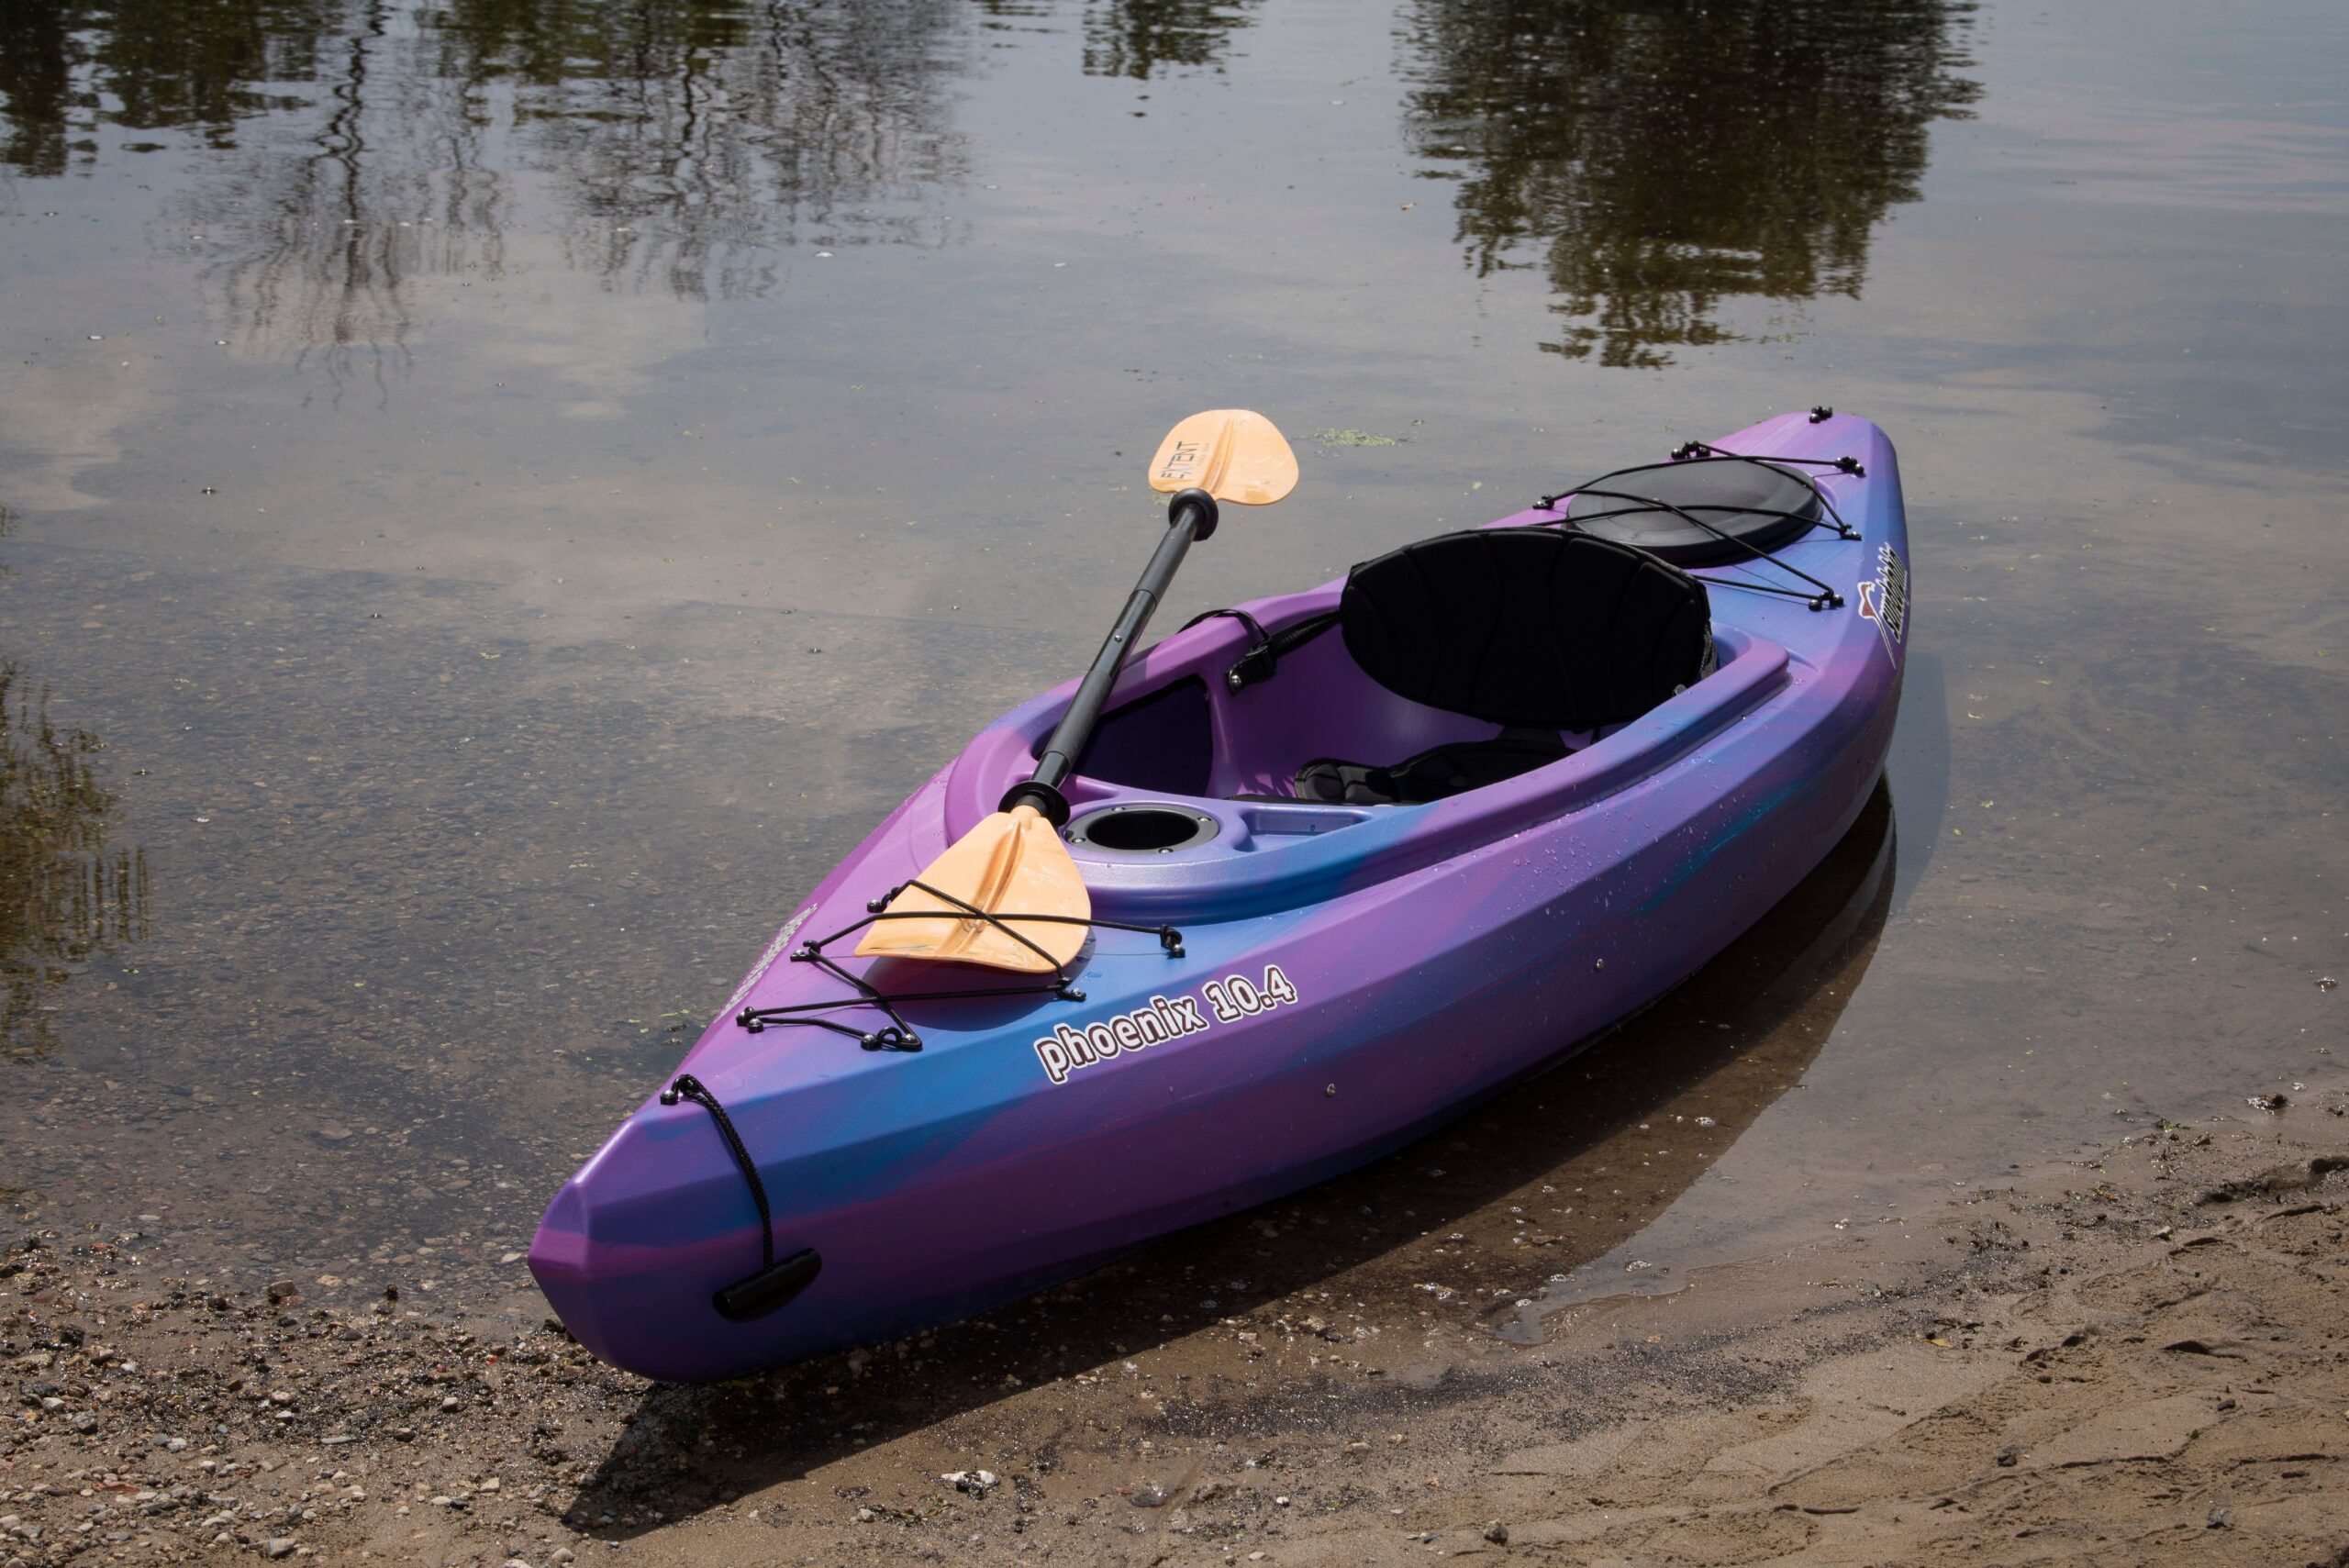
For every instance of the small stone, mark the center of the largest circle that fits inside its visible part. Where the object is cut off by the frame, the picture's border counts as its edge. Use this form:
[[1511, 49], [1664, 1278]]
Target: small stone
[[177, 1445], [283, 1290], [1497, 1533], [451, 1403], [279, 1546]]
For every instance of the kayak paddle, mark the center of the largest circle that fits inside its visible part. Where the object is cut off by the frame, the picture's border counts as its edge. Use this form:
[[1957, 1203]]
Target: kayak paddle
[[1007, 894]]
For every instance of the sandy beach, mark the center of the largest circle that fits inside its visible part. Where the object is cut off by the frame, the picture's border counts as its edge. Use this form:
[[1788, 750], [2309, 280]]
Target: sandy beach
[[2140, 1358]]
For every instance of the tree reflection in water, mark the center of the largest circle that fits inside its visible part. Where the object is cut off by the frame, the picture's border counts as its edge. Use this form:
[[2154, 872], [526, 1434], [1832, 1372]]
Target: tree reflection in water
[[1657, 158], [63, 896], [1141, 38], [672, 143]]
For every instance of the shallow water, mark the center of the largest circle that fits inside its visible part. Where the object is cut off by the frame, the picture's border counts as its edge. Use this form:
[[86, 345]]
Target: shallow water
[[501, 497]]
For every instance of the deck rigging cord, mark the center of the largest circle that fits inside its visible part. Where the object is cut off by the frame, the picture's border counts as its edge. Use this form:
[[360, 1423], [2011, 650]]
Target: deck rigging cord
[[899, 1034], [1820, 596]]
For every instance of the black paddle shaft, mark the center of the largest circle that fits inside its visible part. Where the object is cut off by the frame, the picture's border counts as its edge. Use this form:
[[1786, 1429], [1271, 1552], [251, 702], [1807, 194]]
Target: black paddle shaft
[[1191, 515]]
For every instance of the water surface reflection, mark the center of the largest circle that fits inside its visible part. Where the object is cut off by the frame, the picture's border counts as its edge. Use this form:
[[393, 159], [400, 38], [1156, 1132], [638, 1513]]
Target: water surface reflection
[[65, 894], [357, 147], [1140, 39], [1659, 159]]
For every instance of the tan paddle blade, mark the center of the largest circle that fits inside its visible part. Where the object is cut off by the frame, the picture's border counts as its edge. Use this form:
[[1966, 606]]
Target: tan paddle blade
[[1233, 454], [1011, 864]]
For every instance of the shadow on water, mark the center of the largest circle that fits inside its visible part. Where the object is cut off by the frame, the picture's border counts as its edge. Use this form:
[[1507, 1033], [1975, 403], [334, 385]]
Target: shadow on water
[[1433, 1231], [65, 897], [1658, 158]]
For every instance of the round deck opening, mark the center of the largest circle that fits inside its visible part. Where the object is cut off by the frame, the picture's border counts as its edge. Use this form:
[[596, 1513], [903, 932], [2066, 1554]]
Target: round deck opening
[[1145, 830]]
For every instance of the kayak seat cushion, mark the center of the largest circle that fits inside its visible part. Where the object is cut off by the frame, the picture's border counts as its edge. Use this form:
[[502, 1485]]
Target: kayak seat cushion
[[1528, 628]]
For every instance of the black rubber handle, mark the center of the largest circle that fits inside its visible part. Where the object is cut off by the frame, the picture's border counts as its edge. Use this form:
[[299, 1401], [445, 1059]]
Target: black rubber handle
[[770, 1288]]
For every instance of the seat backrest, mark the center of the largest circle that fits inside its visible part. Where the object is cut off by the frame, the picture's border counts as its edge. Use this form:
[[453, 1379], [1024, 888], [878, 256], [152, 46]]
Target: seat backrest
[[1533, 627]]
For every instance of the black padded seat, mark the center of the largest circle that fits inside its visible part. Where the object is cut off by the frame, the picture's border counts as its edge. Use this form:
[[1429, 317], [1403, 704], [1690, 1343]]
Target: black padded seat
[[1534, 629], [1530, 628]]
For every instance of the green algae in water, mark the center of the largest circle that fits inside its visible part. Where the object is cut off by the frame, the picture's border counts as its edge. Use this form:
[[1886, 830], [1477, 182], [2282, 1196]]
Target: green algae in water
[[1355, 438]]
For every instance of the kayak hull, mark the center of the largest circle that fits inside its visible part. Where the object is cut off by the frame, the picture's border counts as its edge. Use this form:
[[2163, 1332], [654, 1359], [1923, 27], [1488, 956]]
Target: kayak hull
[[1344, 981]]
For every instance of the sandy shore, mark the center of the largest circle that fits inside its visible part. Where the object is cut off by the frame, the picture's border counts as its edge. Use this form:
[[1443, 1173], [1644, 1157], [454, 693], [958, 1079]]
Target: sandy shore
[[2142, 1359]]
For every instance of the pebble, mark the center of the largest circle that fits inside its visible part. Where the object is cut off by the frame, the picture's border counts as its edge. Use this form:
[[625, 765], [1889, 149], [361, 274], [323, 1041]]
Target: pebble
[[279, 1546]]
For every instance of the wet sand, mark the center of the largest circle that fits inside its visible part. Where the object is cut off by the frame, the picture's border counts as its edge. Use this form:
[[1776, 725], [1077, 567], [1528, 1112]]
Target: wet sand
[[2136, 1358]]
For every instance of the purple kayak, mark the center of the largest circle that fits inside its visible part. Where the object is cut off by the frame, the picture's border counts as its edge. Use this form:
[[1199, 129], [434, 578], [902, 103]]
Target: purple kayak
[[1357, 858]]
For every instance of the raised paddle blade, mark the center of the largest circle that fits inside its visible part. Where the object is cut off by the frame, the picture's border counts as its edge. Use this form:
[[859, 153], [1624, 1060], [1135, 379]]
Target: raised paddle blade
[[1010, 865], [1233, 454]]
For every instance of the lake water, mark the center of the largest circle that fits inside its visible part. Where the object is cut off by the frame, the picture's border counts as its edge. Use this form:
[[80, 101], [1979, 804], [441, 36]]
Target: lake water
[[499, 497]]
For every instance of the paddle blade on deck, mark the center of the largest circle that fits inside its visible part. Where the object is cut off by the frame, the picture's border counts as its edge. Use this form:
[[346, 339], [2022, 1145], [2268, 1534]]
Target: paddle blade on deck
[[1012, 865], [1233, 454]]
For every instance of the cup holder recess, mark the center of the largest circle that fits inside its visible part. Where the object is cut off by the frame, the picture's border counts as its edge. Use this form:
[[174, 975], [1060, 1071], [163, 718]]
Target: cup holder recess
[[1148, 828]]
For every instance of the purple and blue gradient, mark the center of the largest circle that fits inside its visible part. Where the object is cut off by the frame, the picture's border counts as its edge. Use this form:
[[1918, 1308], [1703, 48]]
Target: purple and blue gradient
[[1438, 951]]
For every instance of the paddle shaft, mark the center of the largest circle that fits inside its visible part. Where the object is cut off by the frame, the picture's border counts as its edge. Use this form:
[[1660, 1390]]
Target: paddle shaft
[[1189, 514]]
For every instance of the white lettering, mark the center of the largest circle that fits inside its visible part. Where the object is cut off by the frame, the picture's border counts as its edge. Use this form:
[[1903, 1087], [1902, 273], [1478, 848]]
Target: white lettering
[[1232, 998]]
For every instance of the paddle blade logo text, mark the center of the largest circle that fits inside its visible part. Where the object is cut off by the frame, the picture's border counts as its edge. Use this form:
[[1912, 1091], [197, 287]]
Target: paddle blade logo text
[[1182, 464], [1231, 998]]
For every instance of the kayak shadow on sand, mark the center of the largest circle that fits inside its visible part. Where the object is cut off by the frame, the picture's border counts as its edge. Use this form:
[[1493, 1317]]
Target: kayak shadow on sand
[[1706, 1060]]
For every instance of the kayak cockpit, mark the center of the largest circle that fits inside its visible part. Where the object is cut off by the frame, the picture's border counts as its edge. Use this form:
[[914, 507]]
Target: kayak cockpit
[[1195, 798], [1451, 665]]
